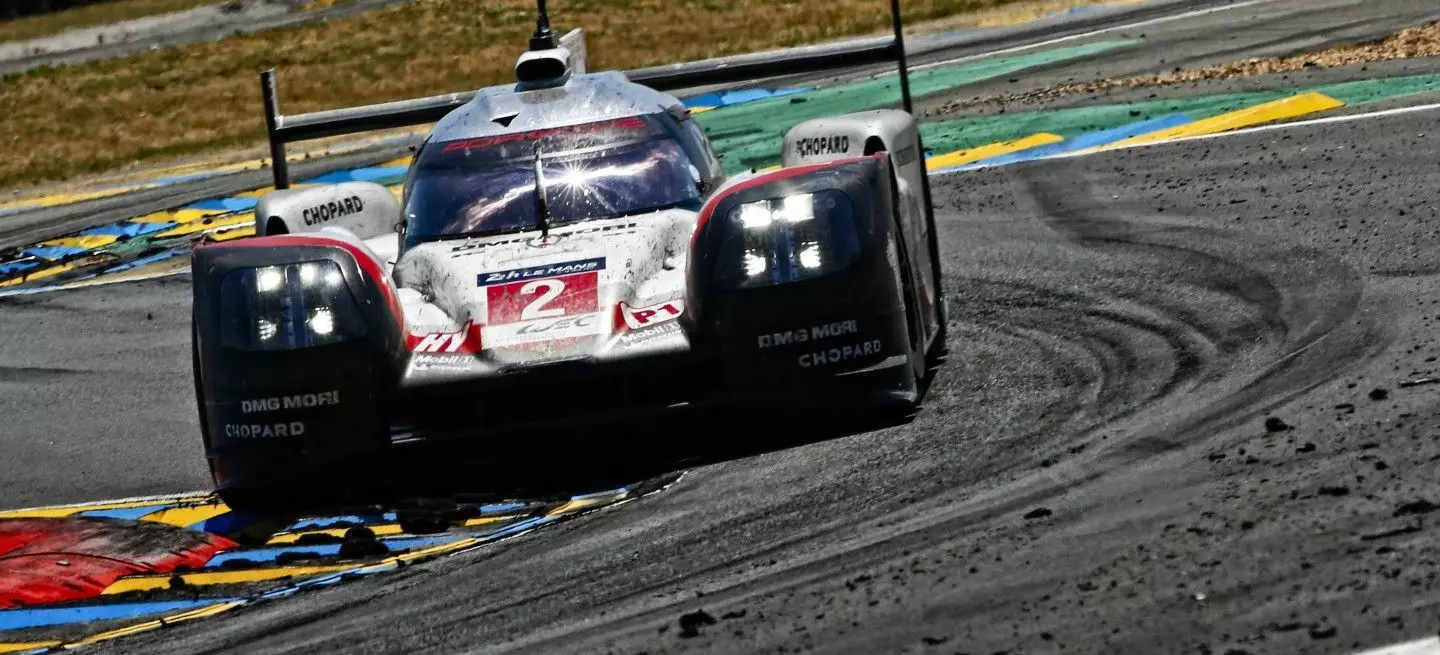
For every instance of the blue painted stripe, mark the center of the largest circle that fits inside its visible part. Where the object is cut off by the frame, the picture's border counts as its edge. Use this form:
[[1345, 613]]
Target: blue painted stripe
[[151, 259], [367, 174], [24, 619], [128, 513], [373, 173], [225, 204], [124, 229], [501, 508], [10, 268], [707, 100], [740, 97], [601, 494], [324, 550], [229, 522], [323, 523], [1087, 140], [54, 253], [518, 527]]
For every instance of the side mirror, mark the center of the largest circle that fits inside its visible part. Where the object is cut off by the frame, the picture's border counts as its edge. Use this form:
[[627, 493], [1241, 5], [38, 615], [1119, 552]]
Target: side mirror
[[366, 209]]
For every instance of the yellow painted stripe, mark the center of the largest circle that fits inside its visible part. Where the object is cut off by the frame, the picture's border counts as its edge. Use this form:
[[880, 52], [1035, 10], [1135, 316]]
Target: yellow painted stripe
[[86, 241], [248, 218], [39, 275], [207, 578], [584, 504], [22, 646], [429, 552], [1283, 109], [146, 272], [154, 582], [292, 537], [45, 512], [700, 110], [179, 216], [962, 157], [157, 623], [403, 161], [234, 233], [187, 515], [381, 530]]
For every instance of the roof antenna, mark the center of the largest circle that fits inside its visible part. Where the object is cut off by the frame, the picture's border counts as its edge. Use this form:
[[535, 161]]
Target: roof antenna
[[899, 54], [542, 198], [544, 37]]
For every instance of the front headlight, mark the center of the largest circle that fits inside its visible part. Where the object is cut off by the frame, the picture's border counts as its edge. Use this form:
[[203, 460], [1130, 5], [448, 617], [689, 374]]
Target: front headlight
[[783, 240], [287, 307]]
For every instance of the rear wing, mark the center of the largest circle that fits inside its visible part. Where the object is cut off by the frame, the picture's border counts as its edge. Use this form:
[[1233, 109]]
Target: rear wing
[[284, 129]]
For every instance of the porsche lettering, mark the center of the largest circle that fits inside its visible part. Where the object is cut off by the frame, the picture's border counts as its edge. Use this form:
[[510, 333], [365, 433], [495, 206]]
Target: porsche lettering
[[841, 354], [332, 210]]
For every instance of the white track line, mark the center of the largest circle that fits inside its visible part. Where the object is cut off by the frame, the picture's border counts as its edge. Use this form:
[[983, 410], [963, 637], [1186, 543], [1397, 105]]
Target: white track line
[[1085, 35], [1383, 113], [1426, 646], [1241, 132]]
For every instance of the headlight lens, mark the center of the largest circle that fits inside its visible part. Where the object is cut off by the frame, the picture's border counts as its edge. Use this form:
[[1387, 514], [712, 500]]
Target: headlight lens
[[287, 307], [783, 240]]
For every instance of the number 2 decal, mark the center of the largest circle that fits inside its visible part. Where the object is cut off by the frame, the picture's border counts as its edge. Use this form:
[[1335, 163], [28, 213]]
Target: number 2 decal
[[548, 290], [547, 298]]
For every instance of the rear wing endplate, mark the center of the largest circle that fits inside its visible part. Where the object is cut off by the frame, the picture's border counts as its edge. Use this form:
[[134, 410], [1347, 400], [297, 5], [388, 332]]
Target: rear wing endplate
[[284, 129]]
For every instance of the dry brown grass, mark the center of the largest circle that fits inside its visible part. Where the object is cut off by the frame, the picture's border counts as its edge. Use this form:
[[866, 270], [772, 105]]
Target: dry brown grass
[[103, 115], [41, 25]]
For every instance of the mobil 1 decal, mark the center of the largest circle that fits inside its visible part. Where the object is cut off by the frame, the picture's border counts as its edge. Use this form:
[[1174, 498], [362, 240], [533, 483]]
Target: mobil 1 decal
[[547, 302]]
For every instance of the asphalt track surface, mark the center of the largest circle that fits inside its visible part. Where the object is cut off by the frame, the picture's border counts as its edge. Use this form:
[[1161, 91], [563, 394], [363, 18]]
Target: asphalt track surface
[[1093, 470]]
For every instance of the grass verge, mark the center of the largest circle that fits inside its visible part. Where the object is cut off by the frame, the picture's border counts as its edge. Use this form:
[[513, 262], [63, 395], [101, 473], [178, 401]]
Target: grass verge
[[105, 13], [61, 122]]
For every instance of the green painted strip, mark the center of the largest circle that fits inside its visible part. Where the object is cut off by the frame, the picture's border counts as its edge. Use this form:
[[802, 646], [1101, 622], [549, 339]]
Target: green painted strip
[[961, 133], [750, 134]]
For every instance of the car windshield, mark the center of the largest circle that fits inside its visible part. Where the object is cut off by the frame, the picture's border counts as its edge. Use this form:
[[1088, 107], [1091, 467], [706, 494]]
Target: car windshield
[[600, 170]]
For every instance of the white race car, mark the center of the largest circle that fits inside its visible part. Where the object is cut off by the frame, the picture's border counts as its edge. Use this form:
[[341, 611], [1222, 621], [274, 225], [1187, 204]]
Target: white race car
[[566, 230]]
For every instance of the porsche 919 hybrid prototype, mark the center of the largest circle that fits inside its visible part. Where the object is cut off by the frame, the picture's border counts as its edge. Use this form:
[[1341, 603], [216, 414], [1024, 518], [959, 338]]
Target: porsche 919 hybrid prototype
[[570, 232]]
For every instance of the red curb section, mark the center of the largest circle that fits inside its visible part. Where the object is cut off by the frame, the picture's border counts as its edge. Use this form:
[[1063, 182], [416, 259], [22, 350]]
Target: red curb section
[[53, 560]]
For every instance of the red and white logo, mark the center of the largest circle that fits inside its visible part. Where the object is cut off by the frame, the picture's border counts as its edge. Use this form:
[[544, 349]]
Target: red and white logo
[[466, 341], [543, 298], [634, 318]]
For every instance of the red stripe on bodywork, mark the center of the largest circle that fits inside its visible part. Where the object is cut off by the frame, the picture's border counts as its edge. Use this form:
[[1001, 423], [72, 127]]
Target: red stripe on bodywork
[[53, 560], [367, 262], [772, 176]]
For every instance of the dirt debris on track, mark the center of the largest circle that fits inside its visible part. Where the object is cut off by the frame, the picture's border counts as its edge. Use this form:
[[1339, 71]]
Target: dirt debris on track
[[1411, 43]]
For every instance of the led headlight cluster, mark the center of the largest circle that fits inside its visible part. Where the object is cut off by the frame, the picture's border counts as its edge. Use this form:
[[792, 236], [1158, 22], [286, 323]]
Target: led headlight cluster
[[287, 307], [782, 240]]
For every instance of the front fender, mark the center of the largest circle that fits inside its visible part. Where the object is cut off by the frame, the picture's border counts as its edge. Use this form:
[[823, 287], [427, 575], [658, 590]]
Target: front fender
[[265, 408], [825, 323]]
